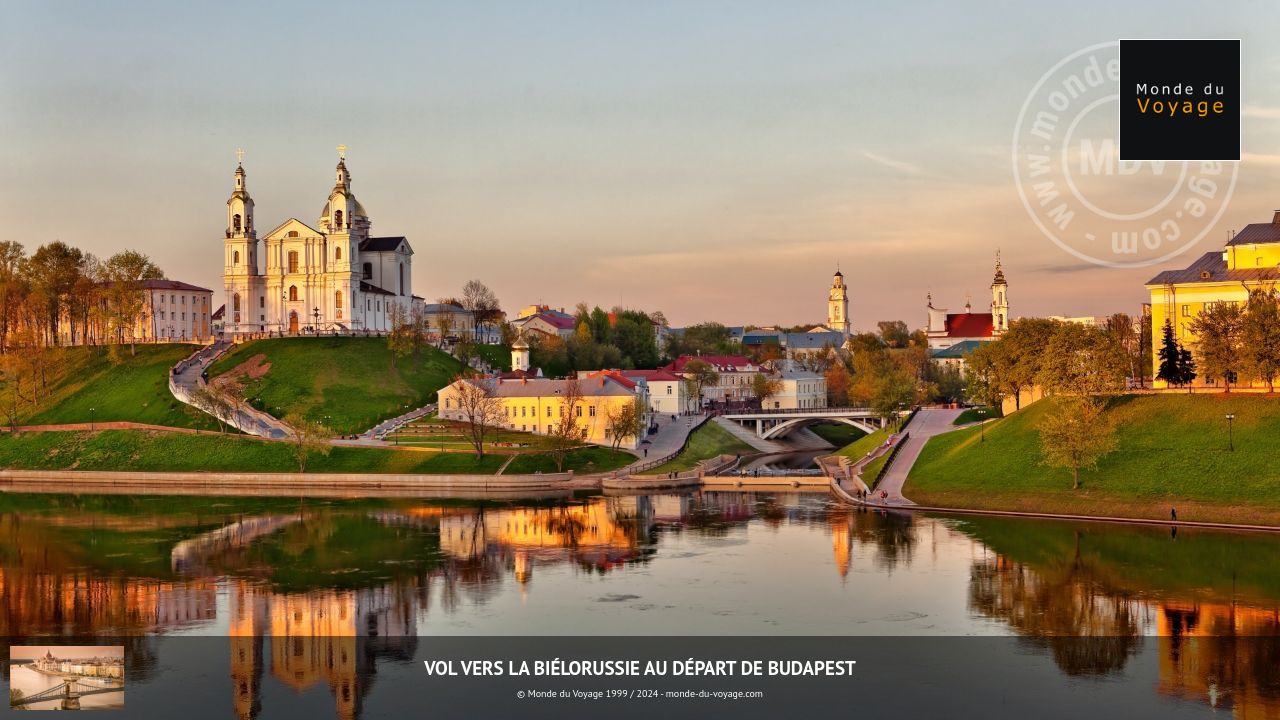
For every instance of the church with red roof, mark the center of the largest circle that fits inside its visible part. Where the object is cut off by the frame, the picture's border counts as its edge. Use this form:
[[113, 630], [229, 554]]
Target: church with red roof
[[946, 329]]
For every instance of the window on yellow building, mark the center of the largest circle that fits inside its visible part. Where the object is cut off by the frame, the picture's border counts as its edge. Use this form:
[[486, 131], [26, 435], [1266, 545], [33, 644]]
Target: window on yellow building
[[1186, 311]]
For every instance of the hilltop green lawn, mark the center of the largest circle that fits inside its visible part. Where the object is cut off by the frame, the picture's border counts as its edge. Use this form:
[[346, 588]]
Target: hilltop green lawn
[[972, 415], [863, 445], [498, 356], [153, 451], [706, 442], [1171, 451], [133, 388], [838, 434], [347, 384]]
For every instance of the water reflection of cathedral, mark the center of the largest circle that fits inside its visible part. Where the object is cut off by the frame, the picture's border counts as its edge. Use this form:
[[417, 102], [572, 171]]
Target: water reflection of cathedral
[[330, 637]]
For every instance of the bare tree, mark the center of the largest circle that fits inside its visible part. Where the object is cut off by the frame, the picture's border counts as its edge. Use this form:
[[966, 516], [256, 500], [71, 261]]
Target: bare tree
[[624, 422], [566, 433], [214, 403], [479, 408], [309, 438], [481, 302]]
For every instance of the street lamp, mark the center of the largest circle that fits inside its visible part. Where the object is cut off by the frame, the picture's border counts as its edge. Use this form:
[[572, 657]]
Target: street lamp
[[315, 326], [91, 419], [1231, 445], [982, 426]]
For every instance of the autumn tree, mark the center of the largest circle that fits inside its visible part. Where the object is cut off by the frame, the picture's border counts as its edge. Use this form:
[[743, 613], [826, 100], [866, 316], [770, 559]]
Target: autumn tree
[[13, 288], [764, 387], [894, 333], [1219, 347], [53, 271], [1081, 360], [1076, 435], [124, 274], [1121, 329], [698, 376], [837, 377], [1260, 336]]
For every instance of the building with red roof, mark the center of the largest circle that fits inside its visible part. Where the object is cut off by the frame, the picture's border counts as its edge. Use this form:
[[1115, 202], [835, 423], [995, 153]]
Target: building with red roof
[[947, 329], [734, 378]]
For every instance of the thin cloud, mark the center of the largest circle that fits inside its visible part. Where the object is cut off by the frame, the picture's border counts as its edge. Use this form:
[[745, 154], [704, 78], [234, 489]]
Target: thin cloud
[[900, 165], [1262, 112]]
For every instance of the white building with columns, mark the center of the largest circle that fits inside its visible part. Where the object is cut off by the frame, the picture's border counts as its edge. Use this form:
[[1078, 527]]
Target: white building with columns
[[331, 277]]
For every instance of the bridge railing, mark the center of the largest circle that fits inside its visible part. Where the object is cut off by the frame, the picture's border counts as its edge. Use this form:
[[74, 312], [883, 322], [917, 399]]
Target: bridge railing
[[801, 411]]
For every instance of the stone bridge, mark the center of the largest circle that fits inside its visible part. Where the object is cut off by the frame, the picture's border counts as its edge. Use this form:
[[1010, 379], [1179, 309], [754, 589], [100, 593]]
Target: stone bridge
[[773, 424]]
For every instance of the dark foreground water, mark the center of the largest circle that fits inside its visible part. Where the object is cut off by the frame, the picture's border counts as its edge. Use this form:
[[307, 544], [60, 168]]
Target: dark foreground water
[[285, 608]]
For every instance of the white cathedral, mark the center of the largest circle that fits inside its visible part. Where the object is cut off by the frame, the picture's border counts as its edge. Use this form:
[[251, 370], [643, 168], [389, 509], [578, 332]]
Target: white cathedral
[[336, 278]]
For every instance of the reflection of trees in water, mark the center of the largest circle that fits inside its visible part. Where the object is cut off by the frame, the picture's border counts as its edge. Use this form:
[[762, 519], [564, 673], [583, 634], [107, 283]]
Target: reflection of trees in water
[[1090, 631]]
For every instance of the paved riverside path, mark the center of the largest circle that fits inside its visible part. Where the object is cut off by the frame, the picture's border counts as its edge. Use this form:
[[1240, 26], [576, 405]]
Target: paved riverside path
[[926, 423], [669, 438]]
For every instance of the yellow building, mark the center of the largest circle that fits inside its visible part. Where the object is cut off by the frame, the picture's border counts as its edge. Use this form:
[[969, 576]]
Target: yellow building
[[537, 404], [1248, 261]]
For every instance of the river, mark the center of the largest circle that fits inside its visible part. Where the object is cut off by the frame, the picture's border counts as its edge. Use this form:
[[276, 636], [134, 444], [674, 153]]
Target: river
[[702, 563]]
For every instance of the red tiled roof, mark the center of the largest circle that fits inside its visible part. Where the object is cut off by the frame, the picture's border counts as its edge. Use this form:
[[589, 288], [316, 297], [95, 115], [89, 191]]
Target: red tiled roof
[[658, 375], [969, 325], [719, 362], [615, 376]]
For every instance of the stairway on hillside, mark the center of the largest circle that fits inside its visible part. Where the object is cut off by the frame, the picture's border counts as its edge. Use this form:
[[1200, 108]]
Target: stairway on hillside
[[749, 437]]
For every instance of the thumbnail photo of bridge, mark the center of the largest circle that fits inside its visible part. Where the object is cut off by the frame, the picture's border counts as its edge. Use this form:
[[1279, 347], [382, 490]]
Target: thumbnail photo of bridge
[[66, 677]]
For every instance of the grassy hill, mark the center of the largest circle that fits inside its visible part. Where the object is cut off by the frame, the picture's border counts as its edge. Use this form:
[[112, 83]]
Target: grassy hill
[[1171, 451], [347, 384], [132, 388], [863, 445], [706, 442], [148, 451]]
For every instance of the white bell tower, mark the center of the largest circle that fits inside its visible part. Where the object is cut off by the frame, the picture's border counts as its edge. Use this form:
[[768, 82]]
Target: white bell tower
[[241, 277], [999, 301], [838, 305]]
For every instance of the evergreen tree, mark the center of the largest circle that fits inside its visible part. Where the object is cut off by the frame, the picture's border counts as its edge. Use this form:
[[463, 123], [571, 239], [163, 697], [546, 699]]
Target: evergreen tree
[[1186, 371], [1170, 357]]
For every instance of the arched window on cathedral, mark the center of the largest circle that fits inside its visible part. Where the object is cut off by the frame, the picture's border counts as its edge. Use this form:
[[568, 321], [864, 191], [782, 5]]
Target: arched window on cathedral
[[293, 261], [337, 299], [235, 302], [337, 253], [401, 278], [293, 293], [337, 219], [235, 222], [235, 257]]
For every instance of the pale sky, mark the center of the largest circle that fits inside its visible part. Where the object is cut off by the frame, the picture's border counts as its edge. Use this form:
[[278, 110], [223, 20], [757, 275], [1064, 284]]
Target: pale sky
[[713, 160], [71, 652]]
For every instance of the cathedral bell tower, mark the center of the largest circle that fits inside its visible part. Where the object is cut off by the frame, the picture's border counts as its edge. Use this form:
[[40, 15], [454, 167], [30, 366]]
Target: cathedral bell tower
[[838, 305], [241, 242], [999, 301]]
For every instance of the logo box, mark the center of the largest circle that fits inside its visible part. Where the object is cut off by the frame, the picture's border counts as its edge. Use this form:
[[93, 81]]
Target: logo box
[[1180, 100]]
